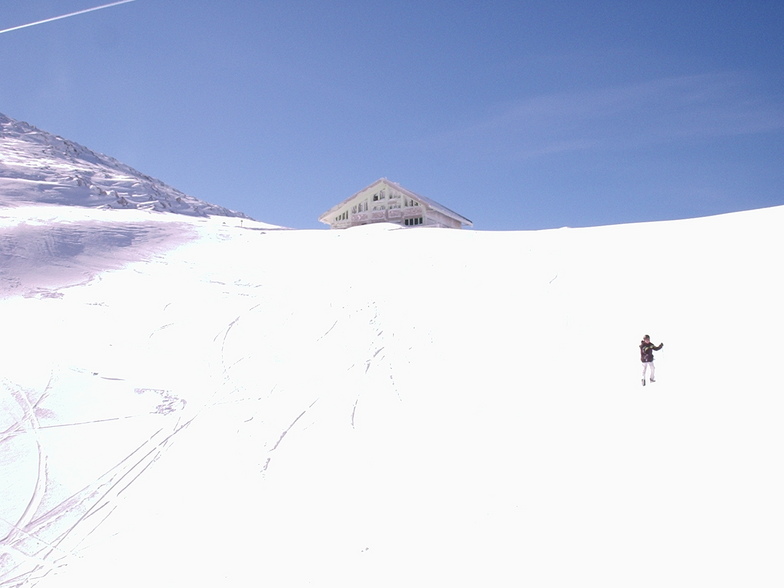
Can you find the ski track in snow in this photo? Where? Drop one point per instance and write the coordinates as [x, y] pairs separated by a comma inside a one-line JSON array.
[[41, 537]]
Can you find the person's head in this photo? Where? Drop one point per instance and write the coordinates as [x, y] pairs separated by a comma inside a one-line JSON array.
[[647, 339]]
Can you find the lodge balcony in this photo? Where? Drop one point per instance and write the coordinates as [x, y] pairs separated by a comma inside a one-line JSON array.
[[392, 215]]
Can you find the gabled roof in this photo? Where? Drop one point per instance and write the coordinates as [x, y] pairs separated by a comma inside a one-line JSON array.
[[426, 201]]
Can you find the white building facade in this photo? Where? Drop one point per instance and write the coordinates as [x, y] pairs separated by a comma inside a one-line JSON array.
[[384, 201]]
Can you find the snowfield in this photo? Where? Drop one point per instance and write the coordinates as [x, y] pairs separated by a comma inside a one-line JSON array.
[[217, 401]]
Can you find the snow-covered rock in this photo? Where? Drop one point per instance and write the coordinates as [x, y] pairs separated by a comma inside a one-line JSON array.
[[36, 166]]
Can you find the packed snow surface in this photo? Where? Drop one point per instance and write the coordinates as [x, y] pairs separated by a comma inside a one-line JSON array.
[[212, 401]]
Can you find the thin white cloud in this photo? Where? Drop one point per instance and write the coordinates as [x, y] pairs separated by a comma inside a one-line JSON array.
[[635, 115], [32, 24]]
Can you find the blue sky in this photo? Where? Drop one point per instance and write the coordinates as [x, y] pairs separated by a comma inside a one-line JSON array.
[[517, 115]]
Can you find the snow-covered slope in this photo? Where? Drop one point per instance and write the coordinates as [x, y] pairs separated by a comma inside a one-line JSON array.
[[56, 246], [40, 167], [391, 407]]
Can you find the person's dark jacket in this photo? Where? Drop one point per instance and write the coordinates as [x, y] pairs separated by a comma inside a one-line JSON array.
[[647, 349]]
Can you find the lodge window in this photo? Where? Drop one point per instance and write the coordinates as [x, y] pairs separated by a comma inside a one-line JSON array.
[[410, 222]]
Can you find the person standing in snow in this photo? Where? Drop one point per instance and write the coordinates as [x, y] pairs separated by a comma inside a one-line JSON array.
[[646, 356]]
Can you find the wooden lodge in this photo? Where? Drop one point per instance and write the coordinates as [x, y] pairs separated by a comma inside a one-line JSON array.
[[384, 201]]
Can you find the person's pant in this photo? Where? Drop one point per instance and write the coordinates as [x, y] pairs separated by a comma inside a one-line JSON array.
[[648, 365]]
